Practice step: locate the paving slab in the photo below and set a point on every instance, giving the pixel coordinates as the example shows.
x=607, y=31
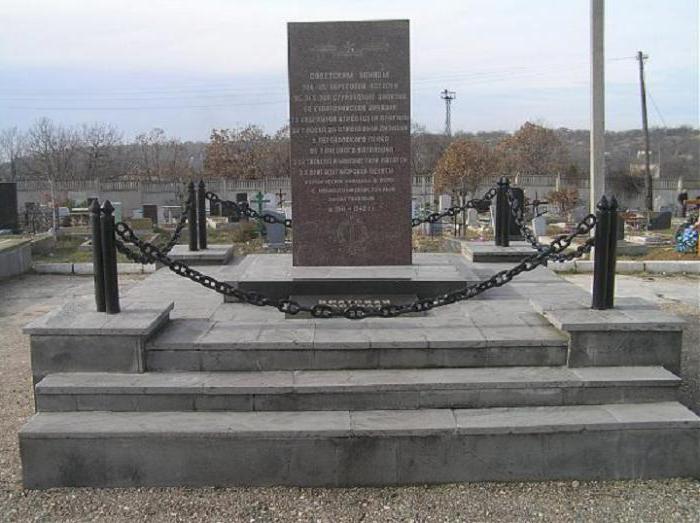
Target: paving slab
x=76, y=318
x=630, y=318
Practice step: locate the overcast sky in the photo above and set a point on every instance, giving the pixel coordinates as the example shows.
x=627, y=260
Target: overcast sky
x=190, y=66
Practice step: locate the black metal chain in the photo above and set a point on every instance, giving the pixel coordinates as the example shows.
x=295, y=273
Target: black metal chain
x=531, y=237
x=167, y=247
x=245, y=210
x=179, y=227
x=481, y=204
x=354, y=312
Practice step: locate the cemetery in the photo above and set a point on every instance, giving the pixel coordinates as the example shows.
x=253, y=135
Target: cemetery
x=337, y=355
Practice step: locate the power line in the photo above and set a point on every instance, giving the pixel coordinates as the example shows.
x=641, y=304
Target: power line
x=227, y=87
x=144, y=107
x=656, y=108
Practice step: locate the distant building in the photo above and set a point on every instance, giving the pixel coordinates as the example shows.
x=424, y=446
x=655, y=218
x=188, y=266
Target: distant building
x=638, y=166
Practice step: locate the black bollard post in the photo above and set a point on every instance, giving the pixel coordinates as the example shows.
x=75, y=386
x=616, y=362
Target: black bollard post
x=603, y=273
x=109, y=259
x=97, y=267
x=502, y=218
x=202, y=215
x=612, y=255
x=192, y=218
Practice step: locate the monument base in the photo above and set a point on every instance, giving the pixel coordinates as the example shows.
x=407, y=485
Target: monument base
x=274, y=276
x=219, y=254
x=488, y=252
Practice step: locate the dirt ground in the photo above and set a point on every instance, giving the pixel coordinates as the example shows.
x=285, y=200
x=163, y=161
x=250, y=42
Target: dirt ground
x=25, y=298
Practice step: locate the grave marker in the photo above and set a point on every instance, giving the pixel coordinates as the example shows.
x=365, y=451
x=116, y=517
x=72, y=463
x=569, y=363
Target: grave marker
x=274, y=232
x=151, y=211
x=350, y=142
x=8, y=206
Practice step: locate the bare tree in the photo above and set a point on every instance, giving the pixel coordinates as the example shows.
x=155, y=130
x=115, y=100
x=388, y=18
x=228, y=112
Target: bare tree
x=99, y=142
x=12, y=145
x=426, y=150
x=160, y=157
x=52, y=151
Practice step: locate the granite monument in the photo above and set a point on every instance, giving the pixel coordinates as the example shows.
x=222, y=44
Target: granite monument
x=349, y=85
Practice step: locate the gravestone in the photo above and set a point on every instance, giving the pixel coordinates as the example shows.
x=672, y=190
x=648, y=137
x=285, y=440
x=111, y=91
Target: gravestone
x=578, y=214
x=473, y=218
x=659, y=221
x=539, y=225
x=274, y=232
x=271, y=201
x=620, y=227
x=118, y=211
x=514, y=230
x=445, y=202
x=151, y=211
x=8, y=206
x=350, y=110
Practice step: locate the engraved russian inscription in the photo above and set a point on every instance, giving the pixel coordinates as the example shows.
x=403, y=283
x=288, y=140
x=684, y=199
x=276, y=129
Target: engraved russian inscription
x=350, y=106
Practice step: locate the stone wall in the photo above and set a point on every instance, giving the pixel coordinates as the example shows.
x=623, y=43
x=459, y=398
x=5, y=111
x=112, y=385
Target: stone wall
x=134, y=194
x=15, y=258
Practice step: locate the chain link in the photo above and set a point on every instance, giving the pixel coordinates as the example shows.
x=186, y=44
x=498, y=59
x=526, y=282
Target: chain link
x=167, y=247
x=480, y=204
x=243, y=209
x=531, y=237
x=355, y=312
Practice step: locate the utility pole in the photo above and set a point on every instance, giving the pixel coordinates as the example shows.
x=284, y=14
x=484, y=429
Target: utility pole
x=597, y=158
x=448, y=96
x=649, y=200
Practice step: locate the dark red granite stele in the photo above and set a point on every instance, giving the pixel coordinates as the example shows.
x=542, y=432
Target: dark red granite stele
x=350, y=106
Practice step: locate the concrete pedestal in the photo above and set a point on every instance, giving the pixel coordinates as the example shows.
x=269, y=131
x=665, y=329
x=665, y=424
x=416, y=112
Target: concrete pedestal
x=487, y=252
x=216, y=254
x=274, y=276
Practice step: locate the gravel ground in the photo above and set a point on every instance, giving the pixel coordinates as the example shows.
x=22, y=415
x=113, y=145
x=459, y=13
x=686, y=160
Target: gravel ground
x=28, y=297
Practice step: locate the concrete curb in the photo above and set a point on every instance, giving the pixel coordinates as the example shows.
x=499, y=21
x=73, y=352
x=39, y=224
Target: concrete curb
x=84, y=269
x=629, y=266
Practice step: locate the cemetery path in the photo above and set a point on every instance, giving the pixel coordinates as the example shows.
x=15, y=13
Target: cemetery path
x=23, y=299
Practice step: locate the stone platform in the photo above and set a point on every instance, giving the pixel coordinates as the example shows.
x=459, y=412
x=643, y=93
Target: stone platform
x=274, y=275
x=488, y=252
x=522, y=382
x=217, y=254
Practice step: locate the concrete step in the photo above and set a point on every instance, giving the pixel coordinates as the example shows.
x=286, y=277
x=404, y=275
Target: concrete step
x=354, y=389
x=344, y=448
x=200, y=345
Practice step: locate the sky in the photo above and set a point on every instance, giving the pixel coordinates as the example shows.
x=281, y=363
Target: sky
x=190, y=66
